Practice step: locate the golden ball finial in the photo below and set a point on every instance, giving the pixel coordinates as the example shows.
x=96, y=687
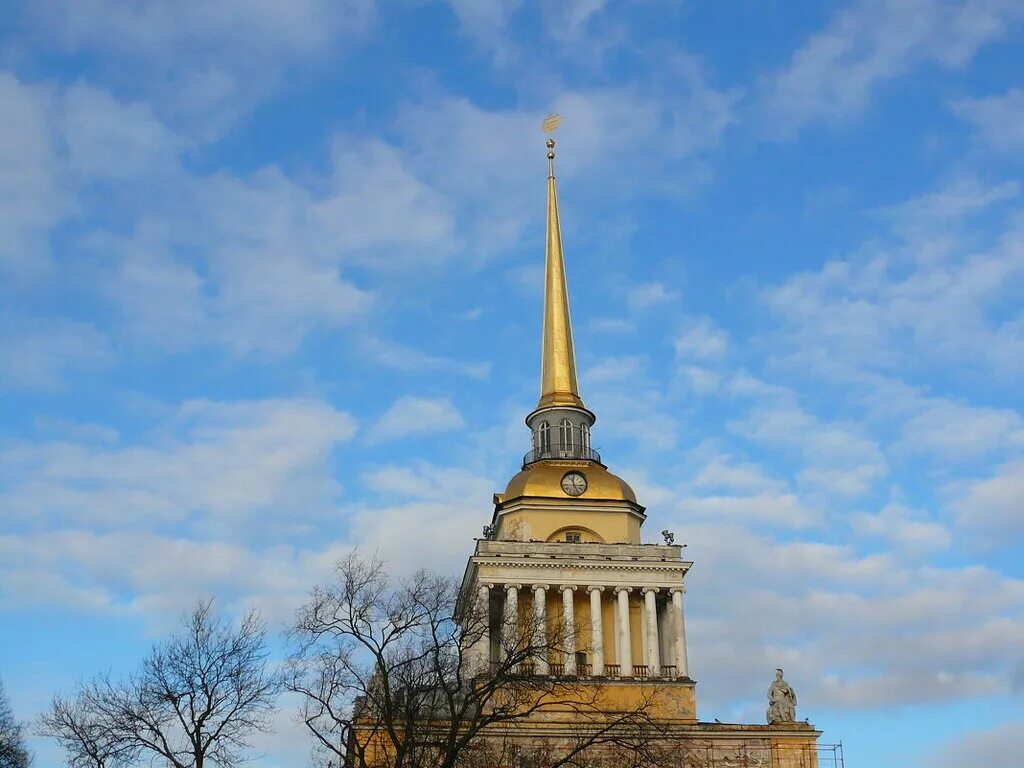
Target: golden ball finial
x=550, y=143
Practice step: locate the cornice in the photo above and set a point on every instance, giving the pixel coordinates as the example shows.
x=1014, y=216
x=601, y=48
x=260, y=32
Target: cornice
x=681, y=567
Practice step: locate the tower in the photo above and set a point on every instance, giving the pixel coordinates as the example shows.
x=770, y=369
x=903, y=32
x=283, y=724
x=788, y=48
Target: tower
x=564, y=548
x=564, y=541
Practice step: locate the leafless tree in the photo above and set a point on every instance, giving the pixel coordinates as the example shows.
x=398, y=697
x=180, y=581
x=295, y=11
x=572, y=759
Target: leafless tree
x=196, y=700
x=88, y=739
x=13, y=751
x=390, y=677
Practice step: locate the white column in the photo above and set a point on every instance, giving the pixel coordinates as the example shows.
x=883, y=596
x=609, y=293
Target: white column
x=540, y=636
x=653, y=656
x=625, y=642
x=569, y=625
x=510, y=621
x=682, y=668
x=483, y=617
x=596, y=631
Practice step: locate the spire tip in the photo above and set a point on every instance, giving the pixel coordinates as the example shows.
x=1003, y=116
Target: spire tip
x=550, y=124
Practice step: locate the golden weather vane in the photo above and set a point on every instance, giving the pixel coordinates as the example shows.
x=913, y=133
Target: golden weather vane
x=549, y=126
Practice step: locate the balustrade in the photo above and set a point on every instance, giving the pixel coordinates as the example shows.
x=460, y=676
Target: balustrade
x=559, y=669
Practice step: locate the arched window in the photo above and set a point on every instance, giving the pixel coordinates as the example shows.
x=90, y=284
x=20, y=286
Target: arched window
x=586, y=437
x=565, y=435
x=544, y=437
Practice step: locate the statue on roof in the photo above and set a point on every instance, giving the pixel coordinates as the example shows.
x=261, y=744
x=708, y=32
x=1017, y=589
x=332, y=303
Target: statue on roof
x=781, y=701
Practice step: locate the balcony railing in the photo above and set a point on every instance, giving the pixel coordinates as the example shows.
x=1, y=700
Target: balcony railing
x=561, y=451
x=557, y=669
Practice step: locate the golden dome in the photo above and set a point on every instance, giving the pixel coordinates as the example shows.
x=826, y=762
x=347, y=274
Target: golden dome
x=544, y=479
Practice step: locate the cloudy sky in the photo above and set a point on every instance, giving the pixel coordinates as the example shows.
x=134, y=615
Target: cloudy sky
x=270, y=289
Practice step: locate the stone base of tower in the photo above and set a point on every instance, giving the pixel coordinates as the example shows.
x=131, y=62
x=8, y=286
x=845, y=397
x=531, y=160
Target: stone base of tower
x=681, y=745
x=674, y=743
x=672, y=731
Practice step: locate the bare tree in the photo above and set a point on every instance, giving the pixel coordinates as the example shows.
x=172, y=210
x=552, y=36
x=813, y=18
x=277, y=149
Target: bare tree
x=392, y=675
x=87, y=737
x=197, y=699
x=13, y=750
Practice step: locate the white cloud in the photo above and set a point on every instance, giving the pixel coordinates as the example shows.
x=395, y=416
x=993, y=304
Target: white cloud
x=210, y=465
x=925, y=221
x=377, y=204
x=423, y=481
x=987, y=746
x=612, y=325
x=33, y=191
x=112, y=140
x=202, y=64
x=249, y=262
x=853, y=630
x=407, y=359
x=416, y=416
x=923, y=302
x=993, y=508
x=423, y=515
x=834, y=75
x=836, y=457
x=154, y=576
x=907, y=529
x=722, y=473
x=485, y=22
x=492, y=163
x=37, y=354
x=957, y=431
x=702, y=341
x=570, y=22
x=782, y=510
x=647, y=295
x=703, y=381
x=626, y=368
x=998, y=120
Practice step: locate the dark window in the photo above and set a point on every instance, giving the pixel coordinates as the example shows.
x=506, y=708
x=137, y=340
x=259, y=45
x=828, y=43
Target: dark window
x=565, y=435
x=573, y=537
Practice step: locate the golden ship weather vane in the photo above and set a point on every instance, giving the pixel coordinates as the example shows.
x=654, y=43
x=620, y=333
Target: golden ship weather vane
x=549, y=126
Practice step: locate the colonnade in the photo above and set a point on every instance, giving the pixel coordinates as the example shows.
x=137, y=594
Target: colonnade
x=675, y=665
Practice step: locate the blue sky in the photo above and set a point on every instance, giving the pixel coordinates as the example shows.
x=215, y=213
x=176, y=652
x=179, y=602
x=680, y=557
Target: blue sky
x=270, y=289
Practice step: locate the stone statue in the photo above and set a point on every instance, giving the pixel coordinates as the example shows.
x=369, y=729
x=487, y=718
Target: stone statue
x=488, y=531
x=668, y=536
x=781, y=701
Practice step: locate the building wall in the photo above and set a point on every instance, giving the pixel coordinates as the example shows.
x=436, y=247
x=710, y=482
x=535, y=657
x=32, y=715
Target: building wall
x=602, y=527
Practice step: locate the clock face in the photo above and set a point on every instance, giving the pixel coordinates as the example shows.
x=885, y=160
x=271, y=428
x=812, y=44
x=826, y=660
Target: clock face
x=574, y=483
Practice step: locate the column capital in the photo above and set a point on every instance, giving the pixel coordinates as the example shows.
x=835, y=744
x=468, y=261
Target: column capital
x=487, y=585
x=647, y=590
x=516, y=587
x=564, y=587
x=680, y=589
x=619, y=590
x=541, y=587
x=594, y=588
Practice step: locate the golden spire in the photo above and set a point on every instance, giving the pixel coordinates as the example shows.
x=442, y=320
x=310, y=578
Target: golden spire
x=558, y=361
